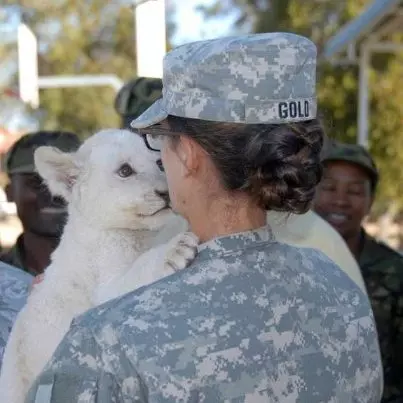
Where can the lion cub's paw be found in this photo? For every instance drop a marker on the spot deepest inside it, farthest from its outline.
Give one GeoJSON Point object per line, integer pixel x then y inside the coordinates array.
{"type": "Point", "coordinates": [181, 252]}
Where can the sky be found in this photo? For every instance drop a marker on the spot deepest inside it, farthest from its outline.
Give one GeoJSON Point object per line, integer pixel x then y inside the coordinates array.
{"type": "Point", "coordinates": [191, 24]}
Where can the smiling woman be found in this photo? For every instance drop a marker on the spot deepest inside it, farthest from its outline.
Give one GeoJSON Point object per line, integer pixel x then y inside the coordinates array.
{"type": "Point", "coordinates": [346, 193]}
{"type": "Point", "coordinates": [344, 199]}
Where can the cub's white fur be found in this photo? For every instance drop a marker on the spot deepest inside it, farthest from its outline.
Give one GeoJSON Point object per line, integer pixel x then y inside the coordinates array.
{"type": "Point", "coordinates": [113, 216]}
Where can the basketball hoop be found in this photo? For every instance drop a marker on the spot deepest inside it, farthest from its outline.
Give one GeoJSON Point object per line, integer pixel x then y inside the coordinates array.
{"type": "Point", "coordinates": [16, 117]}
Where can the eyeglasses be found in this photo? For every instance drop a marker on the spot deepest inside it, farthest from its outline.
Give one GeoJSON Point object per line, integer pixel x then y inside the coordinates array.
{"type": "Point", "coordinates": [153, 142]}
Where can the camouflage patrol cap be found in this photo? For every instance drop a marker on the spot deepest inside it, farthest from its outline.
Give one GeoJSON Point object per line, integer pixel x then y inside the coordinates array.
{"type": "Point", "coordinates": [260, 78]}
{"type": "Point", "coordinates": [355, 154]}
{"type": "Point", "coordinates": [20, 157]}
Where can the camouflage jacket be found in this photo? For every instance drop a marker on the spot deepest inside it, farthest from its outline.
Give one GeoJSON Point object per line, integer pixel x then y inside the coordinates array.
{"type": "Point", "coordinates": [14, 286]}
{"type": "Point", "coordinates": [251, 320]}
{"type": "Point", "coordinates": [382, 270]}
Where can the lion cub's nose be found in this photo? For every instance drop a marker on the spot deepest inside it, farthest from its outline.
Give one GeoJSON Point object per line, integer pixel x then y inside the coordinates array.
{"type": "Point", "coordinates": [164, 196]}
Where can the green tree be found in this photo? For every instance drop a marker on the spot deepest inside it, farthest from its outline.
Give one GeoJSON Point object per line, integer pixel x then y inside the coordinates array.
{"type": "Point", "coordinates": [338, 86]}
{"type": "Point", "coordinates": [81, 37]}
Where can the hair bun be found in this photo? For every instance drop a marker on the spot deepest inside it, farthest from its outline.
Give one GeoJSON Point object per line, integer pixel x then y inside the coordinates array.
{"type": "Point", "coordinates": [284, 166]}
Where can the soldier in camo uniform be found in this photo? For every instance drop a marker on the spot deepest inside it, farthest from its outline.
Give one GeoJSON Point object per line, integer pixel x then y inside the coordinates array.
{"type": "Point", "coordinates": [344, 199]}
{"type": "Point", "coordinates": [42, 216]}
{"type": "Point", "coordinates": [14, 286]}
{"type": "Point", "coordinates": [135, 97]}
{"type": "Point", "coordinates": [308, 230]}
{"type": "Point", "coordinates": [251, 319]}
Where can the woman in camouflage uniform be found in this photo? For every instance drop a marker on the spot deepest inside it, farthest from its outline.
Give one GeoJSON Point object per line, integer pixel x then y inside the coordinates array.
{"type": "Point", "coordinates": [251, 319]}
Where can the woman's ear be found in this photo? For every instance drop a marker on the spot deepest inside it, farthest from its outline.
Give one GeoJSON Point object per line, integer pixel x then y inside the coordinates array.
{"type": "Point", "coordinates": [189, 153]}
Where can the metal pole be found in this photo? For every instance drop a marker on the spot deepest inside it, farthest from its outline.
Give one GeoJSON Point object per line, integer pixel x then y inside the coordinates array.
{"type": "Point", "coordinates": [28, 65]}
{"type": "Point", "coordinates": [363, 97]}
{"type": "Point", "coordinates": [80, 81]}
{"type": "Point", "coordinates": [150, 37]}
{"type": "Point", "coordinates": [386, 47]}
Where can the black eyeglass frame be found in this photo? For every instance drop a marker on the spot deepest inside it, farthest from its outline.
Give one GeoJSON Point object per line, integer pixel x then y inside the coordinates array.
{"type": "Point", "coordinates": [156, 131]}
{"type": "Point", "coordinates": [160, 131]}
{"type": "Point", "coordinates": [147, 143]}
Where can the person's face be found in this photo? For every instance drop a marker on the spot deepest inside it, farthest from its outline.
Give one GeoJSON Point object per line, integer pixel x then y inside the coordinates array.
{"type": "Point", "coordinates": [344, 198]}
{"type": "Point", "coordinates": [38, 211]}
{"type": "Point", "coordinates": [175, 170]}
{"type": "Point", "coordinates": [189, 171]}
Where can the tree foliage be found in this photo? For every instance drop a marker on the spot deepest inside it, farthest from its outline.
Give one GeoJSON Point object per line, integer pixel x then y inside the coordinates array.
{"type": "Point", "coordinates": [81, 37]}
{"type": "Point", "coordinates": [338, 85]}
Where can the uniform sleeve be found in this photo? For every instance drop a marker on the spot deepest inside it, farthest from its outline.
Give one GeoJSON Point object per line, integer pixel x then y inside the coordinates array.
{"type": "Point", "coordinates": [76, 373]}
{"type": "Point", "coordinates": [14, 285]}
{"type": "Point", "coordinates": [398, 331]}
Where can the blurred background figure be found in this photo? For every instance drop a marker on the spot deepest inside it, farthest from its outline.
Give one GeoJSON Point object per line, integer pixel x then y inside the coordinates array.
{"type": "Point", "coordinates": [344, 199]}
{"type": "Point", "coordinates": [42, 216]}
{"type": "Point", "coordinates": [135, 97]}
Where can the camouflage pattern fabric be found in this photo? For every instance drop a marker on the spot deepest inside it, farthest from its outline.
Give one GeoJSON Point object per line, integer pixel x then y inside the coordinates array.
{"type": "Point", "coordinates": [263, 78]}
{"type": "Point", "coordinates": [355, 154]}
{"type": "Point", "coordinates": [251, 320]}
{"type": "Point", "coordinates": [15, 256]}
{"type": "Point", "coordinates": [14, 286]}
{"type": "Point", "coordinates": [382, 270]}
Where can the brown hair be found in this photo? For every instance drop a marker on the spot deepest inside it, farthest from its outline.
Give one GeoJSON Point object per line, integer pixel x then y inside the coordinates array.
{"type": "Point", "coordinates": [278, 165]}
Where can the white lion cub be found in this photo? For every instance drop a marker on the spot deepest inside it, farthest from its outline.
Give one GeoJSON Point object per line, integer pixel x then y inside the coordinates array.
{"type": "Point", "coordinates": [117, 201]}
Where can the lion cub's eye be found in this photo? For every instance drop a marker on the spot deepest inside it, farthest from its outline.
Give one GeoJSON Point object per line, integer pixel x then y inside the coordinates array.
{"type": "Point", "coordinates": [125, 171]}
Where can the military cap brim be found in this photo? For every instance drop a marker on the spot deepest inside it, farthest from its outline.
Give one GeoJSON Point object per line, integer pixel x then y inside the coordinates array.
{"type": "Point", "coordinates": [153, 115]}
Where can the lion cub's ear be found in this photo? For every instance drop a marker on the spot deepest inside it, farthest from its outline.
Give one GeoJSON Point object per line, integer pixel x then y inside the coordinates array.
{"type": "Point", "coordinates": [58, 169]}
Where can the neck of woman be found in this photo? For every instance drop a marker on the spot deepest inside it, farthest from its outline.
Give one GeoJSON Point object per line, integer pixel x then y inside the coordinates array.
{"type": "Point", "coordinates": [225, 215]}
